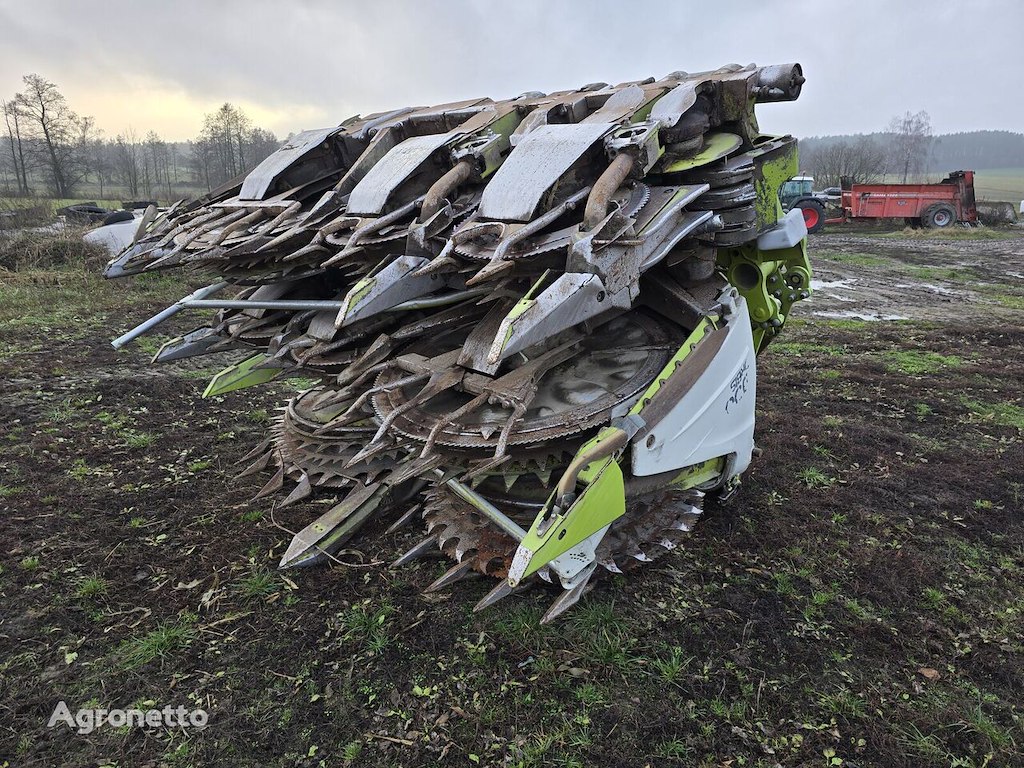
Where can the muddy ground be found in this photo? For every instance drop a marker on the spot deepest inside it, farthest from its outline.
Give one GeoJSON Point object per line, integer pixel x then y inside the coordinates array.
{"type": "Point", "coordinates": [859, 602]}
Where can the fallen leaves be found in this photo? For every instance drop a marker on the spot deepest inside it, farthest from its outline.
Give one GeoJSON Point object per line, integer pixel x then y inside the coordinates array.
{"type": "Point", "coordinates": [929, 673]}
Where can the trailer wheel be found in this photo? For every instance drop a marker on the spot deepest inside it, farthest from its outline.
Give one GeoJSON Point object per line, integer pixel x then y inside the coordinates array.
{"type": "Point", "coordinates": [814, 214]}
{"type": "Point", "coordinates": [939, 216]}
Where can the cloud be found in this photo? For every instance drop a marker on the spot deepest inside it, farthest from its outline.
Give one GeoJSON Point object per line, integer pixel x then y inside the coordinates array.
{"type": "Point", "coordinates": [301, 65]}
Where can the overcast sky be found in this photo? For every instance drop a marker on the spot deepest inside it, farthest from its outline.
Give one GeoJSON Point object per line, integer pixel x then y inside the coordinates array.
{"type": "Point", "coordinates": [307, 64]}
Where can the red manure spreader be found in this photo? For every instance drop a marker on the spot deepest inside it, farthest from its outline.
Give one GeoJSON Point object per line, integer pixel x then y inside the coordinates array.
{"type": "Point", "coordinates": [945, 204]}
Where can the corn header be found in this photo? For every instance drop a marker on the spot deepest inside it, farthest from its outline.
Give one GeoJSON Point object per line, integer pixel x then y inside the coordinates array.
{"type": "Point", "coordinates": [534, 322]}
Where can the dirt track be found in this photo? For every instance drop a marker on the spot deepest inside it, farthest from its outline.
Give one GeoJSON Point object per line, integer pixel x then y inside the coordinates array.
{"type": "Point", "coordinates": [898, 277]}
{"type": "Point", "coordinates": [861, 598]}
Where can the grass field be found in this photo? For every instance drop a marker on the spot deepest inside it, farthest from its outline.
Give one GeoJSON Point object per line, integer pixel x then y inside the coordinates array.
{"type": "Point", "coordinates": [857, 604]}
{"type": "Point", "coordinates": [110, 197]}
{"type": "Point", "coordinates": [13, 203]}
{"type": "Point", "coordinates": [997, 184]}
{"type": "Point", "coordinates": [1000, 184]}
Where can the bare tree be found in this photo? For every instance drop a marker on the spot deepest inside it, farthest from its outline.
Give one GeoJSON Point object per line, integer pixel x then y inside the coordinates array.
{"type": "Point", "coordinates": [61, 134]}
{"type": "Point", "coordinates": [172, 159]}
{"type": "Point", "coordinates": [101, 162]}
{"type": "Point", "coordinates": [198, 161]}
{"type": "Point", "coordinates": [12, 120]}
{"type": "Point", "coordinates": [159, 158]}
{"type": "Point", "coordinates": [262, 144]}
{"type": "Point", "coordinates": [911, 142]}
{"type": "Point", "coordinates": [860, 160]}
{"type": "Point", "coordinates": [126, 161]}
{"type": "Point", "coordinates": [229, 145]}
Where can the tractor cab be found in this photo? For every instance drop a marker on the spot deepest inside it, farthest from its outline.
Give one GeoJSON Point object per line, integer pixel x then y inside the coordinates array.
{"type": "Point", "coordinates": [798, 192]}
{"type": "Point", "coordinates": [795, 189]}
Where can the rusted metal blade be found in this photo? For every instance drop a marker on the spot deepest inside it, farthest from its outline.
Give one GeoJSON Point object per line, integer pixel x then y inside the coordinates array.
{"type": "Point", "coordinates": [275, 484]}
{"type": "Point", "coordinates": [405, 519]}
{"type": "Point", "coordinates": [315, 246]}
{"type": "Point", "coordinates": [243, 223]}
{"type": "Point", "coordinates": [200, 341]}
{"type": "Point", "coordinates": [371, 450]}
{"type": "Point", "coordinates": [491, 271]}
{"type": "Point", "coordinates": [257, 466]}
{"type": "Point", "coordinates": [440, 264]}
{"type": "Point", "coordinates": [259, 449]}
{"type": "Point", "coordinates": [354, 412]}
{"type": "Point", "coordinates": [451, 418]}
{"type": "Point", "coordinates": [414, 468]}
{"type": "Point", "coordinates": [479, 472]}
{"type": "Point", "coordinates": [300, 492]}
{"type": "Point", "coordinates": [332, 529]}
{"type": "Point", "coordinates": [457, 572]}
{"type": "Point", "coordinates": [567, 599]}
{"type": "Point", "coordinates": [296, 231]}
{"type": "Point", "coordinates": [424, 548]}
{"type": "Point", "coordinates": [502, 590]}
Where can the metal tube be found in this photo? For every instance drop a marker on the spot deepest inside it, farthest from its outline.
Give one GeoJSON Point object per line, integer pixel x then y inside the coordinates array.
{"type": "Point", "coordinates": [172, 310]}
{"type": "Point", "coordinates": [601, 450]}
{"type": "Point", "coordinates": [296, 304]}
{"type": "Point", "coordinates": [318, 304]}
{"type": "Point", "coordinates": [779, 82]}
{"type": "Point", "coordinates": [539, 223]}
{"type": "Point", "coordinates": [492, 513]}
{"type": "Point", "coordinates": [604, 188]}
{"type": "Point", "coordinates": [444, 187]}
{"type": "Point", "coordinates": [439, 301]}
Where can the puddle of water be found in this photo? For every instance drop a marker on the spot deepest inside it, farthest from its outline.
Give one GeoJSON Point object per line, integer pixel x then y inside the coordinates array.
{"type": "Point", "coordinates": [822, 288]}
{"type": "Point", "coordinates": [931, 287]}
{"type": "Point", "coordinates": [847, 314]}
{"type": "Point", "coordinates": [817, 285]}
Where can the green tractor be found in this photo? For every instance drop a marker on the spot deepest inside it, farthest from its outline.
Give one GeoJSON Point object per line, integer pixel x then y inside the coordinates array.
{"type": "Point", "coordinates": [799, 193]}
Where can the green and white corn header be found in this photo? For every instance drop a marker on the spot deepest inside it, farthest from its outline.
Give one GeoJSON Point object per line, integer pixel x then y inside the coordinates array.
{"type": "Point", "coordinates": [534, 322]}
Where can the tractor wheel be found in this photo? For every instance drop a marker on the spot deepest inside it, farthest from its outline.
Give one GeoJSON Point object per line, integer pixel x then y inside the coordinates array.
{"type": "Point", "coordinates": [814, 214]}
{"type": "Point", "coordinates": [939, 216]}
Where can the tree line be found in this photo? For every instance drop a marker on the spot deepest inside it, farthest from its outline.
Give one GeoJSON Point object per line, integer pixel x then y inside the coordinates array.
{"type": "Point", "coordinates": [53, 151]}
{"type": "Point", "coordinates": [907, 151]}
{"type": "Point", "coordinates": [902, 151]}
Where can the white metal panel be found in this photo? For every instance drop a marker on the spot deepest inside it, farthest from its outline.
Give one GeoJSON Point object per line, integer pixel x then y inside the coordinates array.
{"type": "Point", "coordinates": [537, 162]}
{"type": "Point", "coordinates": [372, 192]}
{"type": "Point", "coordinates": [715, 417]}
{"type": "Point", "coordinates": [265, 174]}
{"type": "Point", "coordinates": [790, 231]}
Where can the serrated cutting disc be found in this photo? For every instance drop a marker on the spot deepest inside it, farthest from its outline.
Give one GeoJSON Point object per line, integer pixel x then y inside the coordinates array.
{"type": "Point", "coordinates": [574, 396]}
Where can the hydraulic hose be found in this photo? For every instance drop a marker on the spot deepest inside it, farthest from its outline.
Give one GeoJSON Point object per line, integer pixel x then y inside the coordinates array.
{"type": "Point", "coordinates": [604, 188]}
{"type": "Point", "coordinates": [443, 187]}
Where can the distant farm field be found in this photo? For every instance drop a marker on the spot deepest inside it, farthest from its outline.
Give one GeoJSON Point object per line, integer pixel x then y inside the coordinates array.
{"type": "Point", "coordinates": [1000, 184]}
{"type": "Point", "coordinates": [1005, 184]}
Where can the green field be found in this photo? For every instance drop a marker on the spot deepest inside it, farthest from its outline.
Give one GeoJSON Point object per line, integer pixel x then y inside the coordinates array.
{"type": "Point", "coordinates": [857, 604]}
{"type": "Point", "coordinates": [1003, 184]}
{"type": "Point", "coordinates": [15, 203]}
{"type": "Point", "coordinates": [112, 197]}
{"type": "Point", "coordinates": [1000, 184]}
